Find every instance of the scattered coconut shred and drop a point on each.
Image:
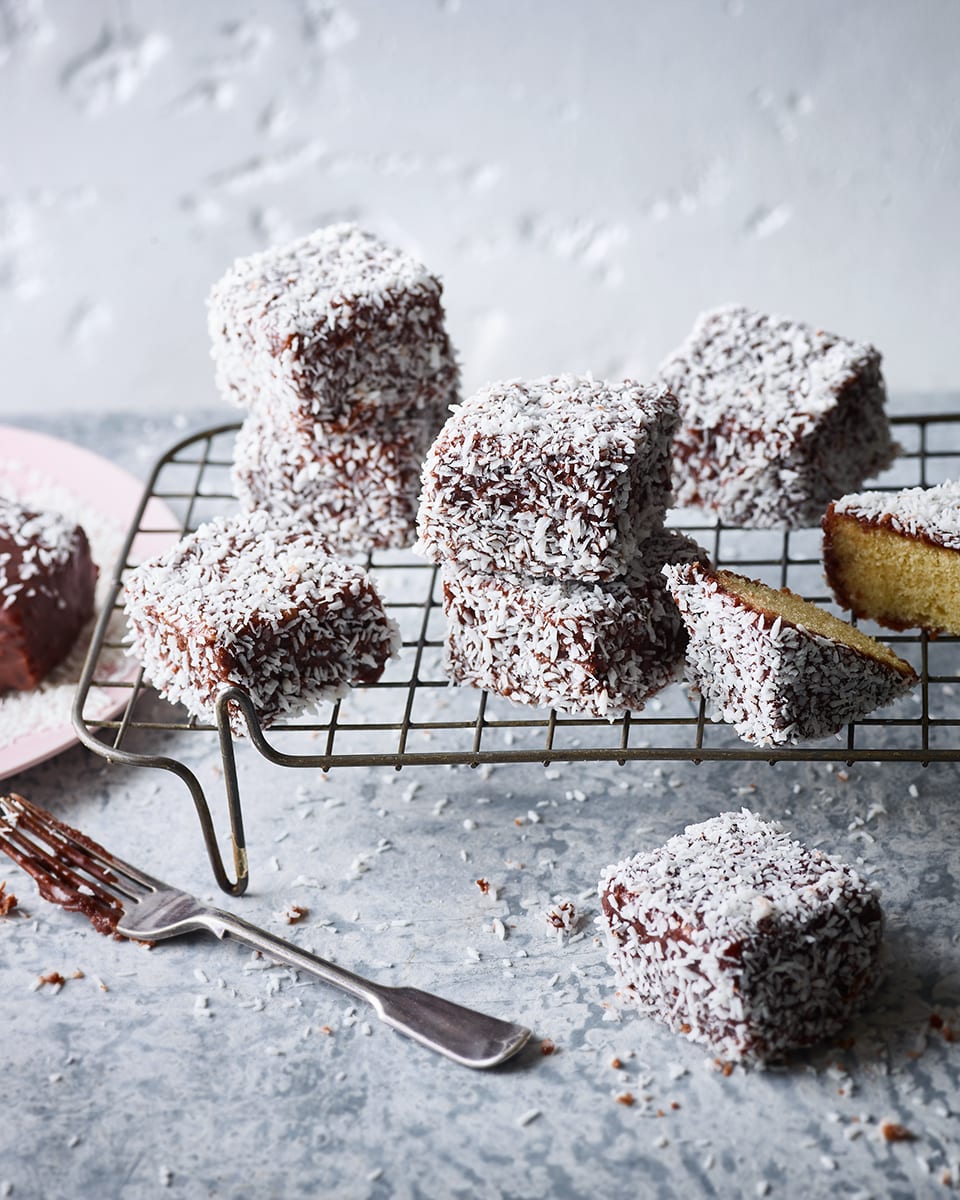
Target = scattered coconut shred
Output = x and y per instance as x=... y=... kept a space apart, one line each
x=49 y=705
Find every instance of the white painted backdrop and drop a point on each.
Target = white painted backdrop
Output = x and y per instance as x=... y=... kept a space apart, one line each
x=586 y=175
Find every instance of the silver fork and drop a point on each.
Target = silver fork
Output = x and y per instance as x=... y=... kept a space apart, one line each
x=76 y=872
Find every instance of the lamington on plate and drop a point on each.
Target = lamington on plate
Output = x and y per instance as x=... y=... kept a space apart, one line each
x=47 y=585
x=777 y=418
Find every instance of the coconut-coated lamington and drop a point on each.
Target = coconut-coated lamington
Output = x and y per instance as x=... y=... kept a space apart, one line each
x=894 y=557
x=777 y=418
x=47 y=585
x=359 y=490
x=599 y=649
x=773 y=665
x=563 y=476
x=739 y=937
x=337 y=326
x=258 y=602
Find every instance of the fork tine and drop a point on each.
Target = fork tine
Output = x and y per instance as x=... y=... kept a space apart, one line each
x=57 y=883
x=68 y=867
x=80 y=849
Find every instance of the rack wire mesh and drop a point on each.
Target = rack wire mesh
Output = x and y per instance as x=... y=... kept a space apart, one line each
x=413 y=717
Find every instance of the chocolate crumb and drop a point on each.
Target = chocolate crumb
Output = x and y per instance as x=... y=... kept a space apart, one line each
x=8 y=901
x=626 y=1099
x=548 y=1046
x=294 y=913
x=892 y=1132
x=484 y=886
x=53 y=978
x=616 y=1064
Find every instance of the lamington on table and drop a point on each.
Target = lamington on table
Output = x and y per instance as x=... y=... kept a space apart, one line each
x=358 y=490
x=257 y=602
x=777 y=418
x=338 y=327
x=47 y=586
x=741 y=938
x=894 y=557
x=773 y=665
x=563 y=476
x=598 y=649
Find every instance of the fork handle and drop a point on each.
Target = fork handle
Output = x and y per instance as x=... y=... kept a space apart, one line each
x=463 y=1034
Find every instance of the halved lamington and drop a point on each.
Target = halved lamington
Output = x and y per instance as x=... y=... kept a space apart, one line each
x=742 y=939
x=562 y=476
x=777 y=418
x=894 y=557
x=600 y=649
x=337 y=326
x=776 y=667
x=257 y=602
x=47 y=585
x=358 y=489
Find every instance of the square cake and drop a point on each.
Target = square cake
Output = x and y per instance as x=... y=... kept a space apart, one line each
x=600 y=649
x=257 y=602
x=337 y=326
x=776 y=667
x=563 y=476
x=358 y=489
x=47 y=586
x=742 y=939
x=777 y=418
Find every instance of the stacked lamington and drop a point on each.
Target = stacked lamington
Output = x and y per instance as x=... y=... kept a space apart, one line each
x=337 y=347
x=544 y=502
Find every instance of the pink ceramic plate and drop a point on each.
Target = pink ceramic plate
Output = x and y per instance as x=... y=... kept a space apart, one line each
x=52 y=473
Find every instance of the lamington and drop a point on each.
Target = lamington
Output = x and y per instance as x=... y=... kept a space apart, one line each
x=894 y=558
x=257 y=602
x=358 y=490
x=47 y=586
x=777 y=418
x=773 y=665
x=336 y=326
x=561 y=477
x=598 y=649
x=742 y=939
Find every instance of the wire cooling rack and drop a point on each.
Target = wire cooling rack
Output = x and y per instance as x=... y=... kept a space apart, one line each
x=413 y=717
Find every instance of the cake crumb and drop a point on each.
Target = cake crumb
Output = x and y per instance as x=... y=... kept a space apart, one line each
x=627 y=1099
x=294 y=913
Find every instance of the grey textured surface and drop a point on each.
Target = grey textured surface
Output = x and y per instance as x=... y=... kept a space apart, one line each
x=191 y=1070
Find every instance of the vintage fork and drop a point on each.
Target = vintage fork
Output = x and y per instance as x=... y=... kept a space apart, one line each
x=76 y=872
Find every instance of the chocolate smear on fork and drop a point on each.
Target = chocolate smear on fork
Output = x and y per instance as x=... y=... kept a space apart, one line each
x=50 y=860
